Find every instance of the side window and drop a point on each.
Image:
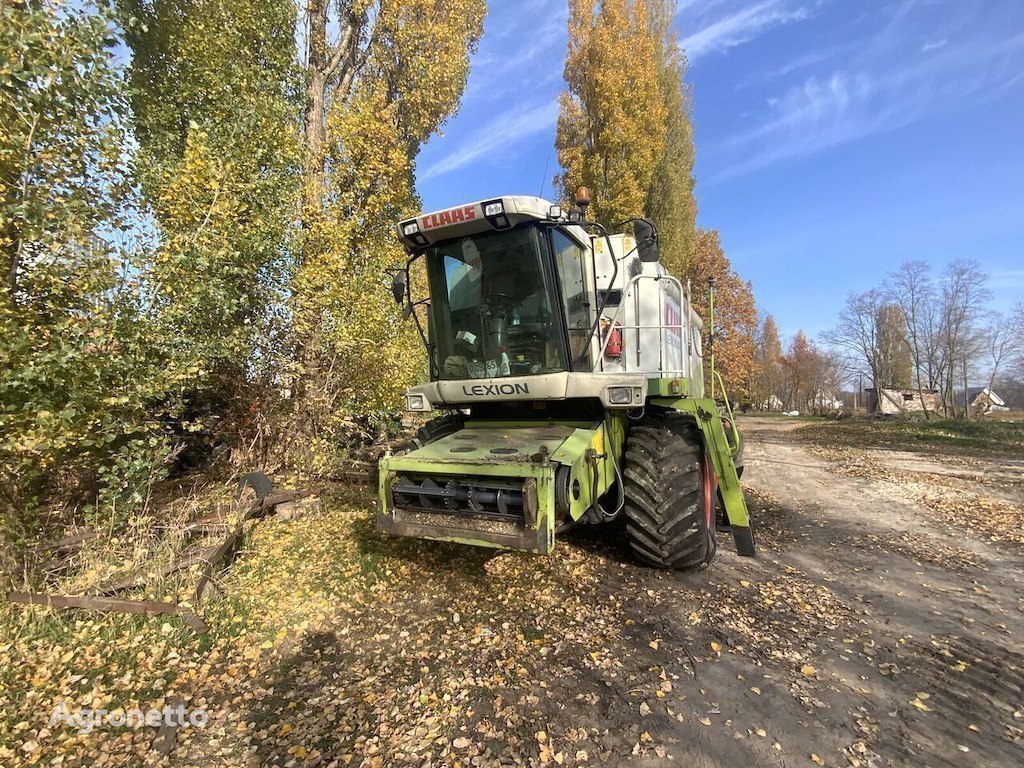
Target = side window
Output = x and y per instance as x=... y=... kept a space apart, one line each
x=463 y=284
x=569 y=262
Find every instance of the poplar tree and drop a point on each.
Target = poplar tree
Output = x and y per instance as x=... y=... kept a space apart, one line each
x=767 y=361
x=376 y=91
x=612 y=124
x=670 y=195
x=214 y=98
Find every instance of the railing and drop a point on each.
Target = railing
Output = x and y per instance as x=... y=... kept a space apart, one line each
x=733 y=436
x=661 y=327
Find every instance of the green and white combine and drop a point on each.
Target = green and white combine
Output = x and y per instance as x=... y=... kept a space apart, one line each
x=569 y=366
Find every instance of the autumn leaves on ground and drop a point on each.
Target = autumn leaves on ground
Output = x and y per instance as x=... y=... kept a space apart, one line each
x=878 y=626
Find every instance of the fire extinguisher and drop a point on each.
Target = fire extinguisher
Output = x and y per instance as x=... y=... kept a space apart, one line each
x=613 y=347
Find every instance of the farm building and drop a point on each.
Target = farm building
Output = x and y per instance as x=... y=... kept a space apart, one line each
x=894 y=402
x=983 y=400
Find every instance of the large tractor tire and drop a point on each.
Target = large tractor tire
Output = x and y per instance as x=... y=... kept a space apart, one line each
x=670 y=490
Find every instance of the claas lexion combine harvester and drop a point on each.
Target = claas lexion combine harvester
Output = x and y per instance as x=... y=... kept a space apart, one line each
x=569 y=367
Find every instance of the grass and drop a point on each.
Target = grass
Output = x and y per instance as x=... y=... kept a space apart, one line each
x=975 y=437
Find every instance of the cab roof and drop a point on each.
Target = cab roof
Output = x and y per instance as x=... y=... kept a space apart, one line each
x=495 y=214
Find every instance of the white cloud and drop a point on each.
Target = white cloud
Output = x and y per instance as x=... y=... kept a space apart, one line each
x=804 y=61
x=497 y=136
x=741 y=27
x=931 y=45
x=522 y=46
x=864 y=100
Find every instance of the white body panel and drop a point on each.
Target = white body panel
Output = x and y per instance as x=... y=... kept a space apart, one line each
x=660 y=331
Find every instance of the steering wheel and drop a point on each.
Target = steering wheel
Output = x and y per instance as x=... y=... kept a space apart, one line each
x=501 y=301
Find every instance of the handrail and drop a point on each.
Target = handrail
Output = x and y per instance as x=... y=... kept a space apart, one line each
x=733 y=448
x=662 y=327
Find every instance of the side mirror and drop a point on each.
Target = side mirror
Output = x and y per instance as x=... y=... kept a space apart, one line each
x=646 y=236
x=398 y=286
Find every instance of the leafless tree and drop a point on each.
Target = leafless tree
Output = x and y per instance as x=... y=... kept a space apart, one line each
x=1015 y=333
x=1002 y=344
x=871 y=334
x=911 y=288
x=963 y=297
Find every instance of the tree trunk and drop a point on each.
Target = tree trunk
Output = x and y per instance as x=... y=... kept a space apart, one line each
x=314 y=130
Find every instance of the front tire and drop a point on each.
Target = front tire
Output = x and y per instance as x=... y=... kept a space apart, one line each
x=670 y=493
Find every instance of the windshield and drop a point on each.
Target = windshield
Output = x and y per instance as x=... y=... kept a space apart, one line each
x=491 y=307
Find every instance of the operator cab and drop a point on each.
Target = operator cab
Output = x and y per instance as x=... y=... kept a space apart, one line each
x=525 y=299
x=508 y=295
x=495 y=304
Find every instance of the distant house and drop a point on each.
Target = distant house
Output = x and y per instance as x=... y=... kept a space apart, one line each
x=827 y=401
x=983 y=400
x=895 y=402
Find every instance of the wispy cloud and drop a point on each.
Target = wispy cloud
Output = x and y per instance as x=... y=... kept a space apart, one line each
x=741 y=26
x=863 y=100
x=804 y=61
x=931 y=45
x=522 y=43
x=500 y=135
x=1007 y=278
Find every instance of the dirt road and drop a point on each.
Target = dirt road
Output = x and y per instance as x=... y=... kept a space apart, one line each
x=874 y=629
x=917 y=637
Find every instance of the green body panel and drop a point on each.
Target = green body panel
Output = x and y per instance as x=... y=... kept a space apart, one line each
x=537 y=455
x=678 y=387
x=540 y=450
x=705 y=412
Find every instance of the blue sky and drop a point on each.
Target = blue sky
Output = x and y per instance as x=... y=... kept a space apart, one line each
x=835 y=138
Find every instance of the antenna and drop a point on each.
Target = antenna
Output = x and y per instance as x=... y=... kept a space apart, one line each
x=543 y=179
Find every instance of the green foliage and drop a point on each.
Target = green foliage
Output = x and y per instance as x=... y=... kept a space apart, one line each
x=222 y=291
x=60 y=143
x=85 y=379
x=84 y=393
x=216 y=116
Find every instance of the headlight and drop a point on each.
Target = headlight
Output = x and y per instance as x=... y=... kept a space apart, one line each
x=620 y=395
x=494 y=209
x=410 y=229
x=415 y=403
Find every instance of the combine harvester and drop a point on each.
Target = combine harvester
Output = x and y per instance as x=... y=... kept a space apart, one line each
x=570 y=365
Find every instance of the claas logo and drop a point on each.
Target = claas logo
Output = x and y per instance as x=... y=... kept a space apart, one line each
x=452 y=216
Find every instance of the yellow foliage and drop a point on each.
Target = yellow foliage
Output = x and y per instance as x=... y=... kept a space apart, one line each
x=613 y=120
x=359 y=354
